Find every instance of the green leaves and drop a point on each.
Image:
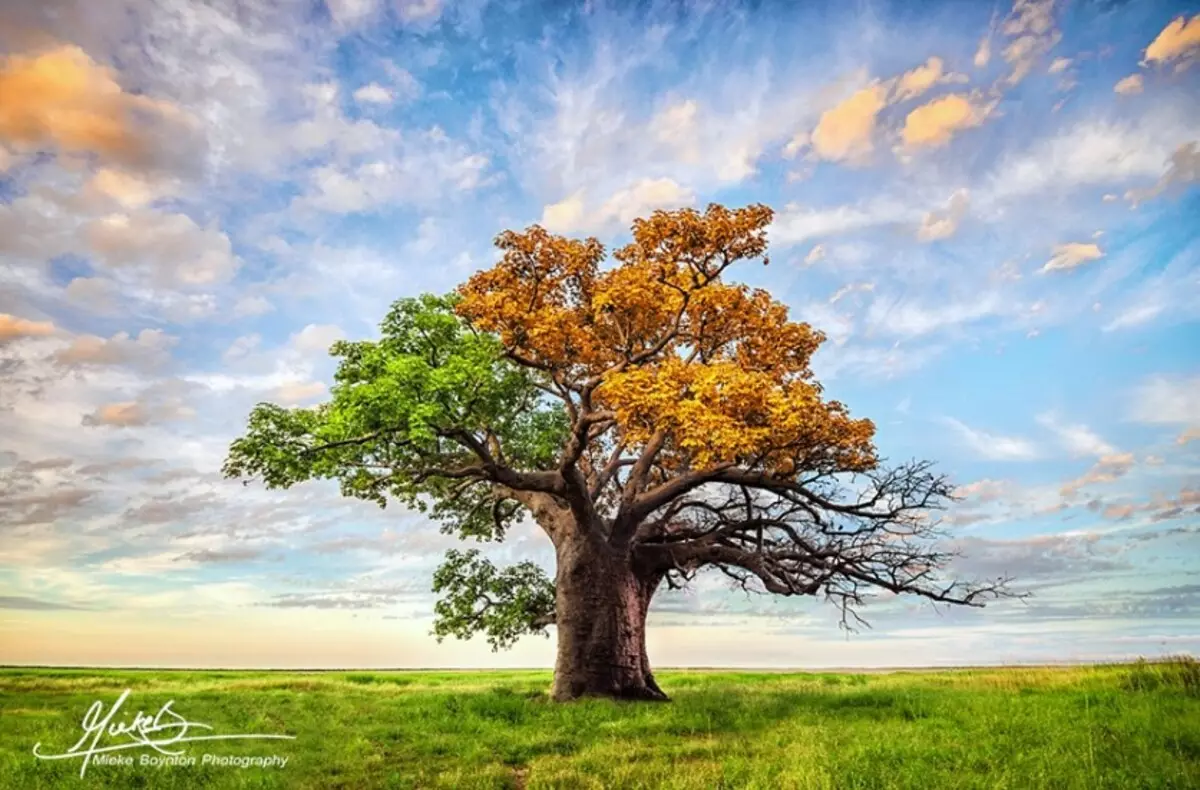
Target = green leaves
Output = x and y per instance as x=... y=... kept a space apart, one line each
x=407 y=417
x=404 y=412
x=504 y=604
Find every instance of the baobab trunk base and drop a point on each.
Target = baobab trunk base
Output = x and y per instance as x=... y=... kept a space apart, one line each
x=601 y=606
x=603 y=678
x=648 y=692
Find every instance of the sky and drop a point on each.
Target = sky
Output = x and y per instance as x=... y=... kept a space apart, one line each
x=991 y=211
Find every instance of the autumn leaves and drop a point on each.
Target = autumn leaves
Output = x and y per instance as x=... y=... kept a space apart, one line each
x=716 y=370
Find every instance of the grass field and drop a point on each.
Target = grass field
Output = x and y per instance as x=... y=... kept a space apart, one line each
x=1131 y=726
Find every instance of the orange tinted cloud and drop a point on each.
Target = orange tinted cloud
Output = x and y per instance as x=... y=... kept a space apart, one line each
x=134 y=414
x=62 y=99
x=914 y=83
x=1072 y=255
x=847 y=130
x=1179 y=39
x=13 y=328
x=1032 y=33
x=1131 y=84
x=933 y=124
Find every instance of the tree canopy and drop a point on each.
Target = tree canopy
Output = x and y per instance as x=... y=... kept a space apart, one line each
x=648 y=411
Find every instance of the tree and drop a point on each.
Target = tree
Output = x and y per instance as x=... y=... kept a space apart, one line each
x=651 y=418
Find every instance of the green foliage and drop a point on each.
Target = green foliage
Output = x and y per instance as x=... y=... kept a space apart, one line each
x=399 y=409
x=985 y=729
x=479 y=598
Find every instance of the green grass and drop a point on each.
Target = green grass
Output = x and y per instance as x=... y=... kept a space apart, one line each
x=1132 y=726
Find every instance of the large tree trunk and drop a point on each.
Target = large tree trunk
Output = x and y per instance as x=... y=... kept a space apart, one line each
x=601 y=605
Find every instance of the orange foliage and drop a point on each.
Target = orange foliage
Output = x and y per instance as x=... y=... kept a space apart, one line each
x=667 y=346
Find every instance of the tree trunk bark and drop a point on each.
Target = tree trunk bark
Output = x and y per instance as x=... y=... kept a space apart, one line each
x=601 y=605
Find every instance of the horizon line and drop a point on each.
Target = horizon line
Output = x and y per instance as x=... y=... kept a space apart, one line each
x=1066 y=663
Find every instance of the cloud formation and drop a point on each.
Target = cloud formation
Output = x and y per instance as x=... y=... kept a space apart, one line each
x=934 y=124
x=13 y=328
x=1031 y=32
x=619 y=210
x=1178 y=41
x=1127 y=86
x=197 y=199
x=151 y=348
x=1071 y=256
x=846 y=132
x=60 y=99
x=994 y=446
x=942 y=224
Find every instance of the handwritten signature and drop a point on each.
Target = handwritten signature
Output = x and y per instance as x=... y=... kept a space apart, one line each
x=143 y=732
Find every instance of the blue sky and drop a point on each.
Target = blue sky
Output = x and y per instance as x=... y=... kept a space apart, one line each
x=990 y=210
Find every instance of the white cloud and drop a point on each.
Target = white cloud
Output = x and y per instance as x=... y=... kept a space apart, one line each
x=1183 y=167
x=942 y=224
x=96 y=294
x=850 y=288
x=675 y=125
x=1136 y=315
x=1170 y=400
x=575 y=129
x=171 y=248
x=867 y=361
x=565 y=215
x=424 y=11
x=901 y=316
x=621 y=208
x=838 y=326
x=796 y=145
x=1031 y=32
x=241 y=347
x=796 y=224
x=985 y=490
x=149 y=349
x=374 y=93
x=403 y=85
x=1092 y=153
x=350 y=13
x=994 y=446
x=252 y=305
x=1076 y=438
x=983 y=53
x=644 y=197
x=128 y=190
x=39 y=226
x=428 y=168
x=298 y=391
x=316 y=338
x=328 y=131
